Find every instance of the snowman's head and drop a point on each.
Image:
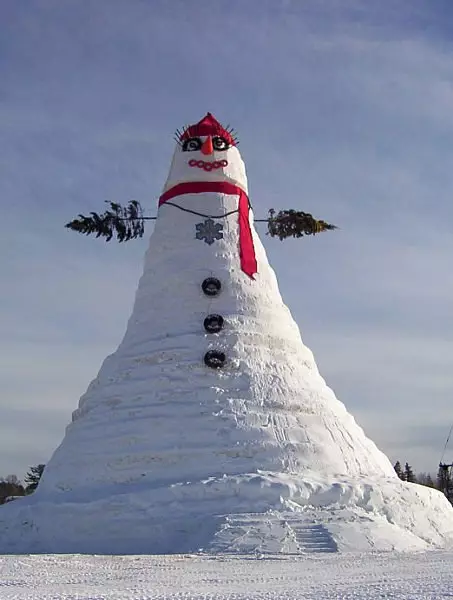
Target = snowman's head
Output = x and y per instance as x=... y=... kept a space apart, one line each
x=207 y=151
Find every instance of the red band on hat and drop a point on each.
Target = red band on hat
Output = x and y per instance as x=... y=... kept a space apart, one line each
x=207 y=126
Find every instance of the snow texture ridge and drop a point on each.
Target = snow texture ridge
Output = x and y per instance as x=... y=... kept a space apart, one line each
x=357 y=576
x=163 y=453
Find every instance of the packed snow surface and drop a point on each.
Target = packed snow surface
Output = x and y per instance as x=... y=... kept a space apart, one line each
x=419 y=576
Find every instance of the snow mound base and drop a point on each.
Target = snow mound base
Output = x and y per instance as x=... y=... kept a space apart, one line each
x=247 y=514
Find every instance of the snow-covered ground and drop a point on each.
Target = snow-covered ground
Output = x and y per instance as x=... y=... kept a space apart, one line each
x=352 y=576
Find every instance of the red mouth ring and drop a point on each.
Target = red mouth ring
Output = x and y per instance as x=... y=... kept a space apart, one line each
x=208 y=166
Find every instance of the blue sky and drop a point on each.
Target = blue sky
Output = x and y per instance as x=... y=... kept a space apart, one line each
x=343 y=109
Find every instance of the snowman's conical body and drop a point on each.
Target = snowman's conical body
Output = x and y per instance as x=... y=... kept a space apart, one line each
x=164 y=451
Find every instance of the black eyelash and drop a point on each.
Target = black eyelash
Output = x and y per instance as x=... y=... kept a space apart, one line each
x=233 y=134
x=179 y=133
x=230 y=130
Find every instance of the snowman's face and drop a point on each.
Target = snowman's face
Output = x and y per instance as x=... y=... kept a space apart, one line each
x=207 y=158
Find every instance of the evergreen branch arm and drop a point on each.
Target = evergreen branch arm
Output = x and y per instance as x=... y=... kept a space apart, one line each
x=126 y=223
x=293 y=223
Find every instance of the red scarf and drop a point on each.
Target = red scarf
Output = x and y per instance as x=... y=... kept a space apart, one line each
x=246 y=248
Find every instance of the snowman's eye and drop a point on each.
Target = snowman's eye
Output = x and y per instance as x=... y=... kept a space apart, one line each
x=191 y=145
x=220 y=143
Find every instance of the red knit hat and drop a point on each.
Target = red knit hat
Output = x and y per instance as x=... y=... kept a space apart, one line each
x=208 y=126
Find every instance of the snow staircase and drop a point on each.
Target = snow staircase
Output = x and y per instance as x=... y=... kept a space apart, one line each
x=271 y=533
x=312 y=537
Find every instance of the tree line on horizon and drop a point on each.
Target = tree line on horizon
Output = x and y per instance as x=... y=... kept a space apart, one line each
x=11 y=487
x=443 y=481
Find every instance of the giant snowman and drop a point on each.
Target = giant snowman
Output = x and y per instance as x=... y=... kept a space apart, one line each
x=210 y=428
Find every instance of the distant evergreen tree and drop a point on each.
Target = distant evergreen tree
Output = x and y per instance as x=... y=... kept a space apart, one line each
x=32 y=478
x=445 y=482
x=429 y=481
x=426 y=480
x=409 y=474
x=10 y=486
x=398 y=470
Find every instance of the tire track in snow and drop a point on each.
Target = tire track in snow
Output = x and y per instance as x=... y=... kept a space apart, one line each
x=419 y=576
